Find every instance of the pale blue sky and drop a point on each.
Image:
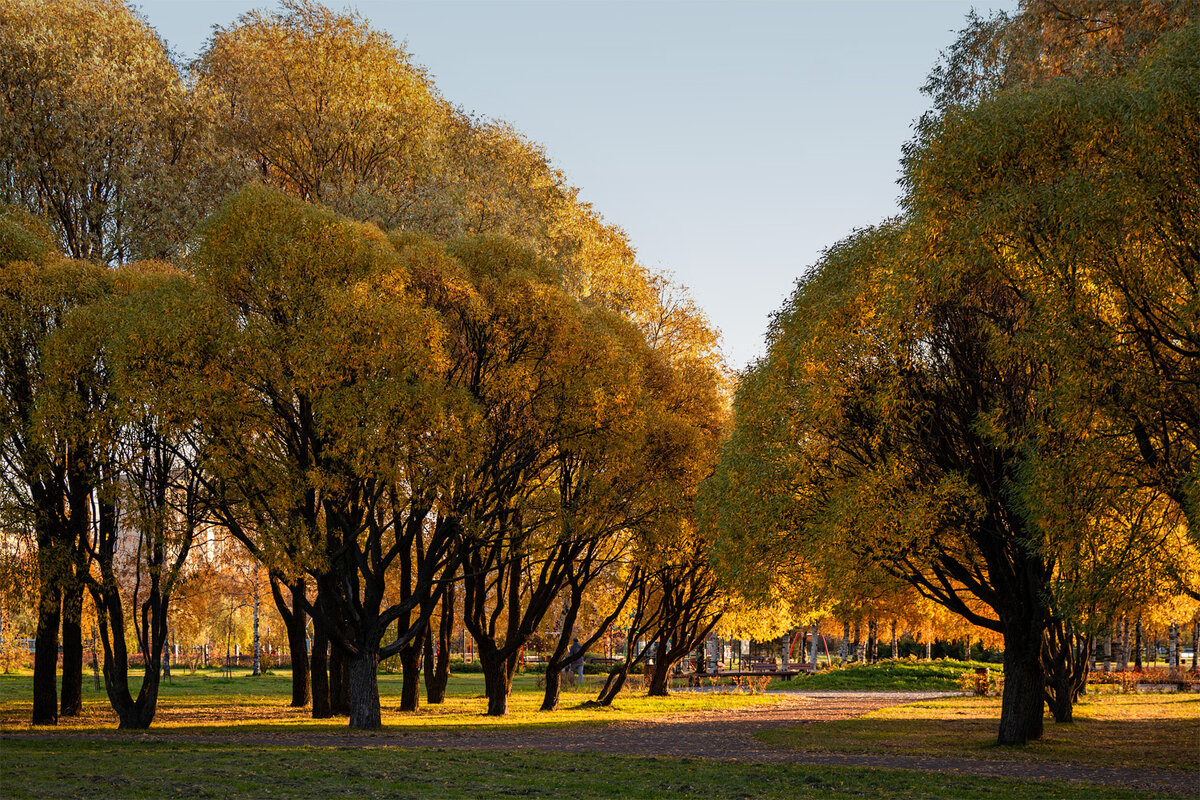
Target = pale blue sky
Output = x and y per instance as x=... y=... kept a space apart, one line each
x=733 y=141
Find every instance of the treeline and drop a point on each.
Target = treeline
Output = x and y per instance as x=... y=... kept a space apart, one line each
x=289 y=294
x=992 y=402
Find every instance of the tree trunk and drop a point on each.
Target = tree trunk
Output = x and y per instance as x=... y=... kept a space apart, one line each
x=339 y=681
x=1196 y=645
x=1123 y=646
x=660 y=676
x=437 y=664
x=613 y=684
x=296 y=622
x=895 y=650
x=858 y=643
x=362 y=689
x=257 y=669
x=1021 y=708
x=497 y=683
x=1137 y=646
x=321 y=707
x=813 y=646
x=844 y=647
x=410 y=671
x=872 y=641
x=45 y=656
x=1108 y=648
x=1172 y=646
x=72 y=646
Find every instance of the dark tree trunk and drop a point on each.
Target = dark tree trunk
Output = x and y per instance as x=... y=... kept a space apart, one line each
x=437 y=667
x=1137 y=646
x=437 y=664
x=553 y=691
x=45 y=657
x=410 y=669
x=339 y=681
x=613 y=685
x=72 y=646
x=660 y=676
x=872 y=641
x=319 y=673
x=497 y=684
x=1021 y=708
x=296 y=622
x=363 y=687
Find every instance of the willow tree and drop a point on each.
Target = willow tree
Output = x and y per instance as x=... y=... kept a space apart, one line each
x=98 y=132
x=48 y=470
x=320 y=105
x=142 y=352
x=332 y=418
x=1088 y=191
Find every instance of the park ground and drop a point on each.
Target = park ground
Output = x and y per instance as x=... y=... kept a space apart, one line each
x=899 y=730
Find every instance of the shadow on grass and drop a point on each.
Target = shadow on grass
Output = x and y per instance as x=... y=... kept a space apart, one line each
x=1164 y=737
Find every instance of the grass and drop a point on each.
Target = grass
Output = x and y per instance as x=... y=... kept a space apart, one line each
x=1115 y=730
x=209 y=702
x=898 y=675
x=133 y=769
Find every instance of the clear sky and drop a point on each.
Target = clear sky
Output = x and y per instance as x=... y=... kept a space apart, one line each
x=733 y=141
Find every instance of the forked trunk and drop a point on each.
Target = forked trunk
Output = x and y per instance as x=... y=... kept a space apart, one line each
x=364 y=690
x=437 y=669
x=613 y=685
x=660 y=677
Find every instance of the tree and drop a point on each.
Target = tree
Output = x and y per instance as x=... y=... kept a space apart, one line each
x=99 y=135
x=319 y=105
x=46 y=474
x=1089 y=191
x=333 y=423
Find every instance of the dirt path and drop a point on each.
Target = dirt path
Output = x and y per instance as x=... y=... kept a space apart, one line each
x=716 y=734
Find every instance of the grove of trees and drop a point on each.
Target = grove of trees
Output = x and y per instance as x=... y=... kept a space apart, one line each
x=285 y=322
x=288 y=296
x=993 y=398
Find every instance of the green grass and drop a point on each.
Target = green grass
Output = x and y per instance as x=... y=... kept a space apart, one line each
x=1116 y=730
x=208 y=702
x=899 y=675
x=62 y=769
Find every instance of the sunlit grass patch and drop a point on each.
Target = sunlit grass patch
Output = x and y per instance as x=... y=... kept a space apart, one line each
x=890 y=675
x=209 y=702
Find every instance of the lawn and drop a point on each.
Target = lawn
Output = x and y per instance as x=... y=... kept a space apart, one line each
x=1155 y=731
x=900 y=675
x=133 y=769
x=208 y=701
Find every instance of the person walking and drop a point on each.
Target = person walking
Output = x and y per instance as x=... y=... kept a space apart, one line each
x=575 y=660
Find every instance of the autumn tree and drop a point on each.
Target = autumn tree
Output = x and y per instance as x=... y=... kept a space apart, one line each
x=321 y=106
x=98 y=132
x=333 y=423
x=48 y=474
